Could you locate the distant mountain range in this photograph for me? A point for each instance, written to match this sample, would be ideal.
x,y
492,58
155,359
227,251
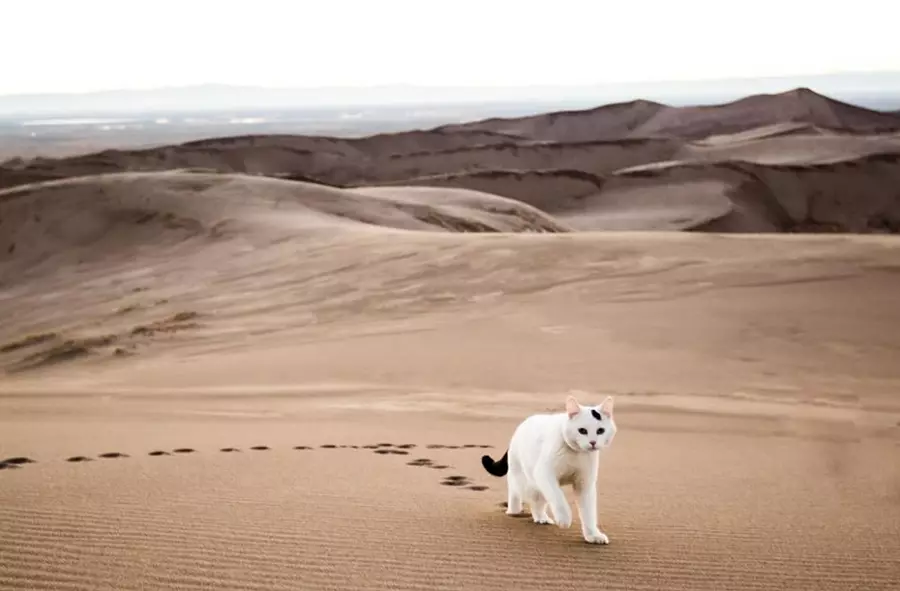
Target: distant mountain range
x,y
874,89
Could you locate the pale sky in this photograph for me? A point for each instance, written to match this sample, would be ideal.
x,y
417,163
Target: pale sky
x,y
84,45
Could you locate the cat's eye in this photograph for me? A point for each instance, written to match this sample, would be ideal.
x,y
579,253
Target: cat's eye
x,y
583,431
600,431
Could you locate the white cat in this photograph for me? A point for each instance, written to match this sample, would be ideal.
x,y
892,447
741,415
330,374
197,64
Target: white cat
x,y
547,451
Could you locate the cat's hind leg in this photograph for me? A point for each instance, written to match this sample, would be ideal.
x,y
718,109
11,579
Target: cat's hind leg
x,y
538,505
513,493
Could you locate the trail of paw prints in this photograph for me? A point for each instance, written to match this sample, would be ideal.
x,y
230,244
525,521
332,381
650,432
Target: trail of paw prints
x,y
114,455
383,448
154,453
455,480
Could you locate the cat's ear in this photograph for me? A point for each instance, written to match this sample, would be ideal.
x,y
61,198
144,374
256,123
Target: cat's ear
x,y
572,406
606,407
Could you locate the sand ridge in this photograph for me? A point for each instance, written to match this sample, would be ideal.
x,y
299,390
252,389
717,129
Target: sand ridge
x,y
844,193
640,119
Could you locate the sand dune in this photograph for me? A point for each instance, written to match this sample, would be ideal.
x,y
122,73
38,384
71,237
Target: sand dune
x,y
324,157
598,157
619,202
800,105
837,195
799,148
327,163
798,128
554,191
557,161
642,119
713,177
781,129
842,196
220,380
111,217
615,121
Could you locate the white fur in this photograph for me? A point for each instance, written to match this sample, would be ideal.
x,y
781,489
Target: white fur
x,y
546,452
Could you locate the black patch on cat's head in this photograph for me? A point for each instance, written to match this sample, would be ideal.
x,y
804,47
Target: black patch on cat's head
x,y
596,414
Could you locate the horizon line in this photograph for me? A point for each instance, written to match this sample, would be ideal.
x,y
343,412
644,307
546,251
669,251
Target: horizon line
x,y
420,86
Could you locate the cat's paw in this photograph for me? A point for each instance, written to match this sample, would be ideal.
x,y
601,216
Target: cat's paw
x,y
514,508
563,517
596,537
542,519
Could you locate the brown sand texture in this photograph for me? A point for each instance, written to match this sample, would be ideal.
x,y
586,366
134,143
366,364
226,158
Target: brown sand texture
x,y
221,380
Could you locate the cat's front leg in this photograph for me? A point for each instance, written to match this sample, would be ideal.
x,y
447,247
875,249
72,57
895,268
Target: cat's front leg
x,y
539,510
549,486
587,512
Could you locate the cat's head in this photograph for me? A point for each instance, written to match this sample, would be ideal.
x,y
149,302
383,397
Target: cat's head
x,y
589,428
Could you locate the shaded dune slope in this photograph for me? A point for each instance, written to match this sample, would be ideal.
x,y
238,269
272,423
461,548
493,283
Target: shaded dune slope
x,y
341,167
856,195
335,160
614,121
595,157
816,147
112,215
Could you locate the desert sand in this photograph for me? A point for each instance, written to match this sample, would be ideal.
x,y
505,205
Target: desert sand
x,y
224,380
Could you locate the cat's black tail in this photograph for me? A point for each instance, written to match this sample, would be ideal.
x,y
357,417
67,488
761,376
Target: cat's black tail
x,y
499,468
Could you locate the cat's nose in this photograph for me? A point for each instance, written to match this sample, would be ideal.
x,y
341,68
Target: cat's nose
x,y
593,443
